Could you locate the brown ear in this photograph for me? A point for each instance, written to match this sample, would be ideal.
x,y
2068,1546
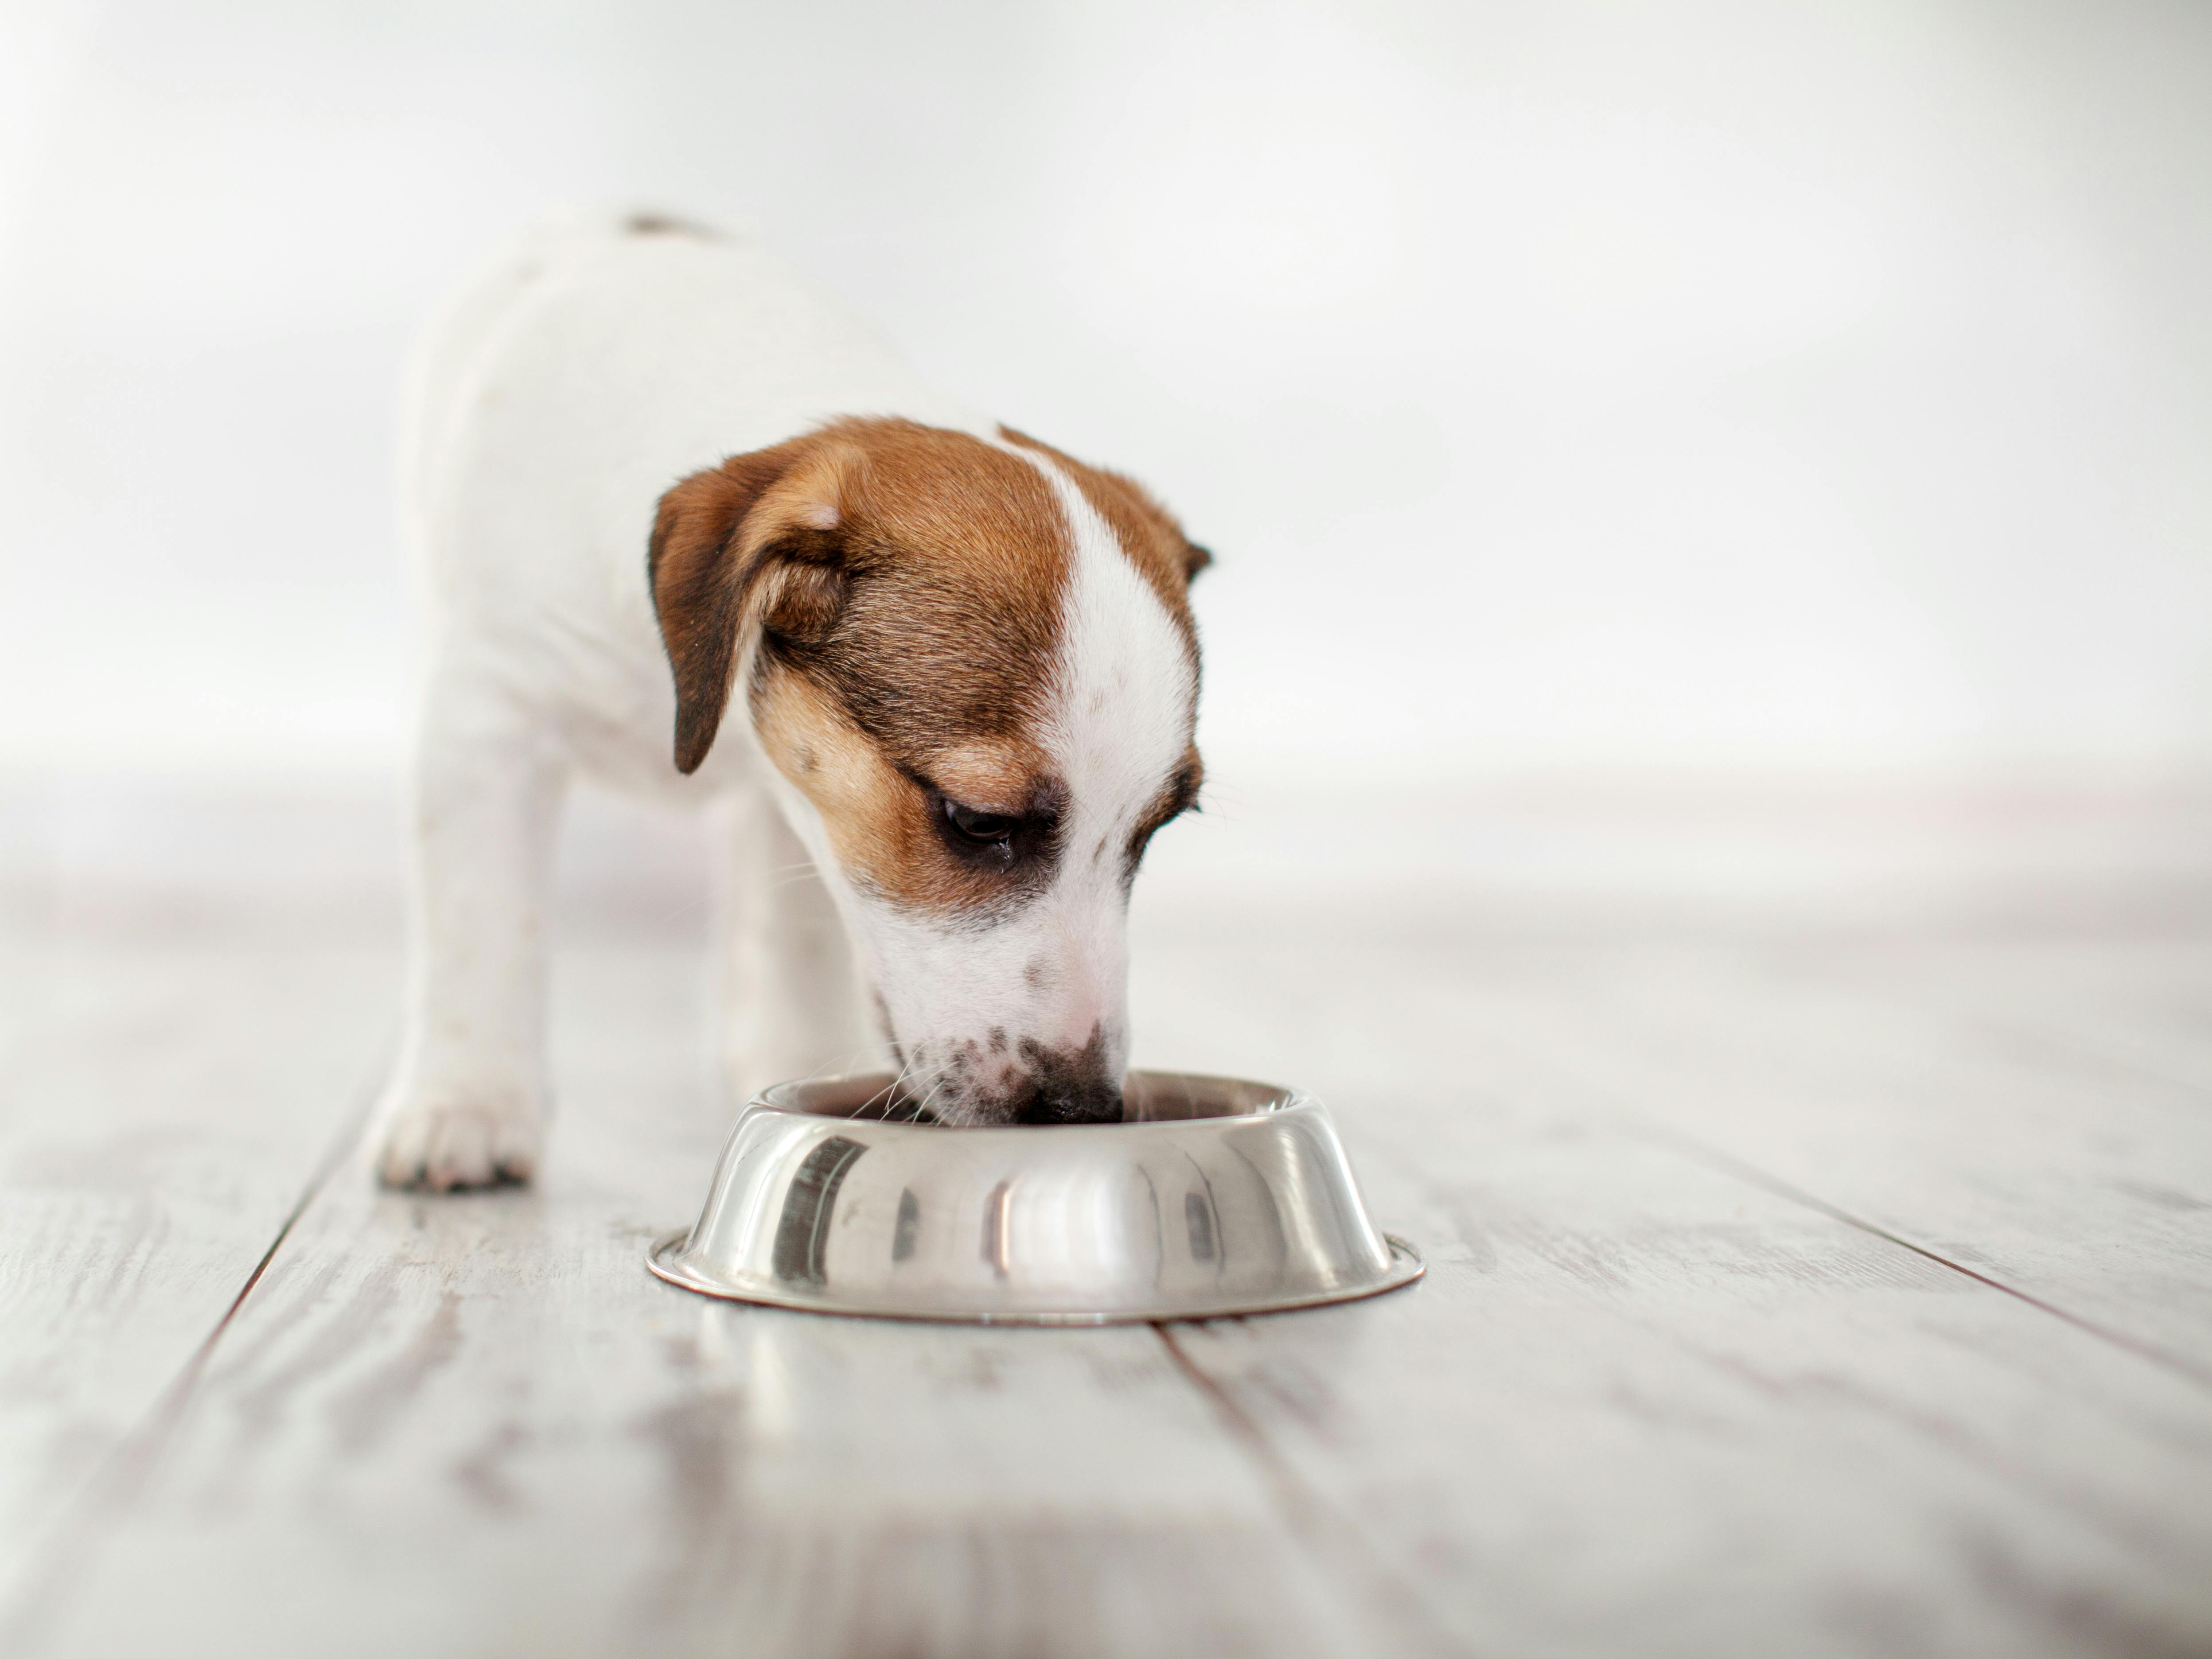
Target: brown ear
x,y
1195,559
754,541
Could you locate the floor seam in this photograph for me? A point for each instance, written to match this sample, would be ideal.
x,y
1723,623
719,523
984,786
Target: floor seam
x,y
49,1571
1728,1164
1307,1514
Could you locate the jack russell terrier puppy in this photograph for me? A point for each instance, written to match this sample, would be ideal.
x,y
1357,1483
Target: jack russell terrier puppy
x,y
658,484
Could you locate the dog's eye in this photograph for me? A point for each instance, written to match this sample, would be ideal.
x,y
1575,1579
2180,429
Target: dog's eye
x,y
982,827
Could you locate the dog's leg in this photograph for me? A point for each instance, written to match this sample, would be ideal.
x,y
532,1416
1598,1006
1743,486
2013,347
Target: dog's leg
x,y
790,997
467,1103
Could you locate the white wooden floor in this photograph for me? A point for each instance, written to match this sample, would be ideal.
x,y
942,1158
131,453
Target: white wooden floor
x,y
1806,1277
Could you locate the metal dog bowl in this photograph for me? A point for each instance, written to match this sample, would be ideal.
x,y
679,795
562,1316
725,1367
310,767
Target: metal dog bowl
x,y
1211,1197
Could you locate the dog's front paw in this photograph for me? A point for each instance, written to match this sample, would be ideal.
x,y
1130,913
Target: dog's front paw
x,y
445,1143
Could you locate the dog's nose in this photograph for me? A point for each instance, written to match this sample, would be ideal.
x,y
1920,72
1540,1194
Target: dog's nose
x,y
1070,1094
1100,1105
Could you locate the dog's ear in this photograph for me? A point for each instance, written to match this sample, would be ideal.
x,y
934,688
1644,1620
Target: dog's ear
x,y
1195,559
757,542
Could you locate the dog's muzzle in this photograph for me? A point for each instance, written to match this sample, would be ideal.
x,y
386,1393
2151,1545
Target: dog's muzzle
x,y
1063,1085
1037,1085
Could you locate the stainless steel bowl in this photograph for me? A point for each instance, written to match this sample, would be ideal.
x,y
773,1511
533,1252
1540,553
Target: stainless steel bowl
x,y
1211,1197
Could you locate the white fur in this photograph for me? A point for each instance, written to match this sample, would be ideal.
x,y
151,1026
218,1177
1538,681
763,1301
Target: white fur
x,y
560,395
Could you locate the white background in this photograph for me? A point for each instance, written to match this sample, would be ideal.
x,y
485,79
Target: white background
x,y
1561,386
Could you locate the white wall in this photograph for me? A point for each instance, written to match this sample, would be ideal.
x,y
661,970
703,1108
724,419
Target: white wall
x,y
1561,382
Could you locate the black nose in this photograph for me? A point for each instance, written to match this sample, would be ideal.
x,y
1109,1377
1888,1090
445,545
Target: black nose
x,y
1102,1104
1068,1086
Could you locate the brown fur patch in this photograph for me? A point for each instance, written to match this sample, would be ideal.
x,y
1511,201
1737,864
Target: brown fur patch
x,y
878,814
732,547
1163,556
990,776
905,585
1179,795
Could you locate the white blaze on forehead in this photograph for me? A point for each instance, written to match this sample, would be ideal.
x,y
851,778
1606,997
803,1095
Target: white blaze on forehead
x,y
1123,697
1117,727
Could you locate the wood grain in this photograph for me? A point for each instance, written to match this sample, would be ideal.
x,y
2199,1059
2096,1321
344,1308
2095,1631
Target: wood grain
x,y
1630,1373
161,1105
477,1424
2017,1150
2053,1154
1715,1355
1637,1408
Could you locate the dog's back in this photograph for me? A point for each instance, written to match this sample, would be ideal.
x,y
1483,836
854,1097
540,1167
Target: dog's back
x,y
593,364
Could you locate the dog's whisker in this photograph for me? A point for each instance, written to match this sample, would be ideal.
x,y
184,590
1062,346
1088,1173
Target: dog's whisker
x,y
938,1085
929,1099
795,872
890,1094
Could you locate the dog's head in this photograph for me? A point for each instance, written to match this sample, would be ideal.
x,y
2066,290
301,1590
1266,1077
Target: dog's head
x,y
973,668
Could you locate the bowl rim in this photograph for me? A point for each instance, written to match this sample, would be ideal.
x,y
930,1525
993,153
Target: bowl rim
x,y
1269,1100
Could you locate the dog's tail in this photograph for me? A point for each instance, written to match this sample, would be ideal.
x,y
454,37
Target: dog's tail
x,y
555,233
650,223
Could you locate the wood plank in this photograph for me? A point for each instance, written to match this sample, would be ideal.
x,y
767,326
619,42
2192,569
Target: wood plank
x,y
476,1425
162,1100
198,981
2038,1162
2139,1006
1641,1406
2053,1164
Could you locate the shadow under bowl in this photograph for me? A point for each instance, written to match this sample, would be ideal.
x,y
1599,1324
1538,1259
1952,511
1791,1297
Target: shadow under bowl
x,y
1213,1196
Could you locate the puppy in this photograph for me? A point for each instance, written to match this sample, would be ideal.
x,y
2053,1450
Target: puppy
x,y
659,486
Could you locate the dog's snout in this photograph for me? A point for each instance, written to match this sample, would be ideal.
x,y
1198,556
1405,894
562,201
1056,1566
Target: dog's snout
x,y
1025,1081
1067,1085
1099,1102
